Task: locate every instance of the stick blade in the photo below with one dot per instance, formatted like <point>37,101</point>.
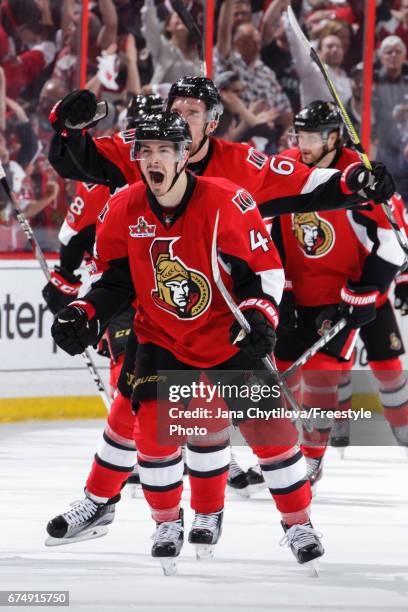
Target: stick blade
<point>298,30</point>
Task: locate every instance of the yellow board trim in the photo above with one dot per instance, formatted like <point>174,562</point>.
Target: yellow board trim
<point>51,408</point>
<point>91,407</point>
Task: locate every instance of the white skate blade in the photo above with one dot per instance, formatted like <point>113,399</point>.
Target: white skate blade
<point>135,491</point>
<point>342,452</point>
<point>241,493</point>
<point>90,534</point>
<point>313,567</point>
<point>169,565</point>
<point>255,488</point>
<point>204,552</point>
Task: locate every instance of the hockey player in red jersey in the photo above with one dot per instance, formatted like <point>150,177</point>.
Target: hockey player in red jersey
<point>335,260</point>
<point>154,241</point>
<point>109,161</point>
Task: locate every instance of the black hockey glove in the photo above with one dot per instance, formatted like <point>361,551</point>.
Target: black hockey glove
<point>77,107</point>
<point>401,293</point>
<point>377,185</point>
<point>75,327</point>
<point>61,289</point>
<point>263,319</point>
<point>358,306</point>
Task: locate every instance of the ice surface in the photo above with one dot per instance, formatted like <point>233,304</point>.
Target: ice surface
<point>361,508</point>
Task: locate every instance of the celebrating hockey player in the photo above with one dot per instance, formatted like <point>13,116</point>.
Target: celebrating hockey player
<point>154,241</point>
<point>339,263</point>
<point>110,161</point>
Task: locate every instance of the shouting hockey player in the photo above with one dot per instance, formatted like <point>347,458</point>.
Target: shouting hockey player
<point>339,263</point>
<point>154,241</point>
<point>302,192</point>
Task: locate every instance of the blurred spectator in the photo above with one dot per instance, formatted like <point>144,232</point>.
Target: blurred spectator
<point>254,123</point>
<point>351,42</point>
<point>391,90</point>
<point>240,52</point>
<point>22,22</point>
<point>173,51</point>
<point>396,24</point>
<point>242,13</point>
<point>331,52</point>
<point>276,54</point>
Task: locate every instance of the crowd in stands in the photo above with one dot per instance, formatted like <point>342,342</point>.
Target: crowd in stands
<point>137,46</point>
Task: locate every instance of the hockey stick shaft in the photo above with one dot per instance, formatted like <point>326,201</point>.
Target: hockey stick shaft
<point>239,316</point>
<point>399,233</point>
<point>319,344</point>
<point>26,227</point>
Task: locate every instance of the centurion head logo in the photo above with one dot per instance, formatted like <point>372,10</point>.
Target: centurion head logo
<point>182,291</point>
<point>315,235</point>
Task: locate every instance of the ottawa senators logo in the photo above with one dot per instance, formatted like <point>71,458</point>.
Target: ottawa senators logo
<point>315,235</point>
<point>395,342</point>
<point>182,291</point>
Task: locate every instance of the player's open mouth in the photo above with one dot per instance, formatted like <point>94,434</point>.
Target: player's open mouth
<point>156,177</point>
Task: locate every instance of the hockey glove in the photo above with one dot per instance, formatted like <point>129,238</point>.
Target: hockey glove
<point>76,327</point>
<point>61,289</point>
<point>77,107</point>
<point>358,306</point>
<point>377,185</point>
<point>401,293</point>
<point>263,318</point>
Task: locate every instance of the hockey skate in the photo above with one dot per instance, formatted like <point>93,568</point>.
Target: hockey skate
<point>168,542</point>
<point>238,479</point>
<point>340,435</point>
<point>314,471</point>
<point>205,533</point>
<point>86,520</point>
<point>256,479</point>
<point>305,544</point>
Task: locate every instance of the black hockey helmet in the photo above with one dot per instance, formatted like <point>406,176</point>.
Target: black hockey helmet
<point>141,105</point>
<point>199,88</point>
<point>319,116</point>
<point>167,125</point>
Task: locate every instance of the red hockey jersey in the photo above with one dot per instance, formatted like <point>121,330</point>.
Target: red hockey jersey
<point>267,178</point>
<point>84,210</point>
<point>321,250</point>
<point>179,307</point>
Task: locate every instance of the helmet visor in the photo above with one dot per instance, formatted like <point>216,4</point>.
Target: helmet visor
<point>305,139</point>
<point>162,150</point>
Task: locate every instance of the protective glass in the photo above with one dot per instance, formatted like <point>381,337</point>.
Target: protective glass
<point>306,139</point>
<point>151,150</point>
<point>192,111</point>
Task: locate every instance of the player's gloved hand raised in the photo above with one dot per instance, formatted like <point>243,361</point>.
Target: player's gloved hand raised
<point>376,184</point>
<point>401,293</point>
<point>263,320</point>
<point>77,107</point>
<point>76,327</point>
<point>358,306</point>
<point>61,289</point>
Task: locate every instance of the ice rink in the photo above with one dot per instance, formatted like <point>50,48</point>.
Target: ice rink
<point>361,508</point>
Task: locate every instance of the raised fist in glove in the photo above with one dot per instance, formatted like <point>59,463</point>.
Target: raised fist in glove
<point>376,184</point>
<point>401,293</point>
<point>61,289</point>
<point>76,327</point>
<point>262,317</point>
<point>77,107</point>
